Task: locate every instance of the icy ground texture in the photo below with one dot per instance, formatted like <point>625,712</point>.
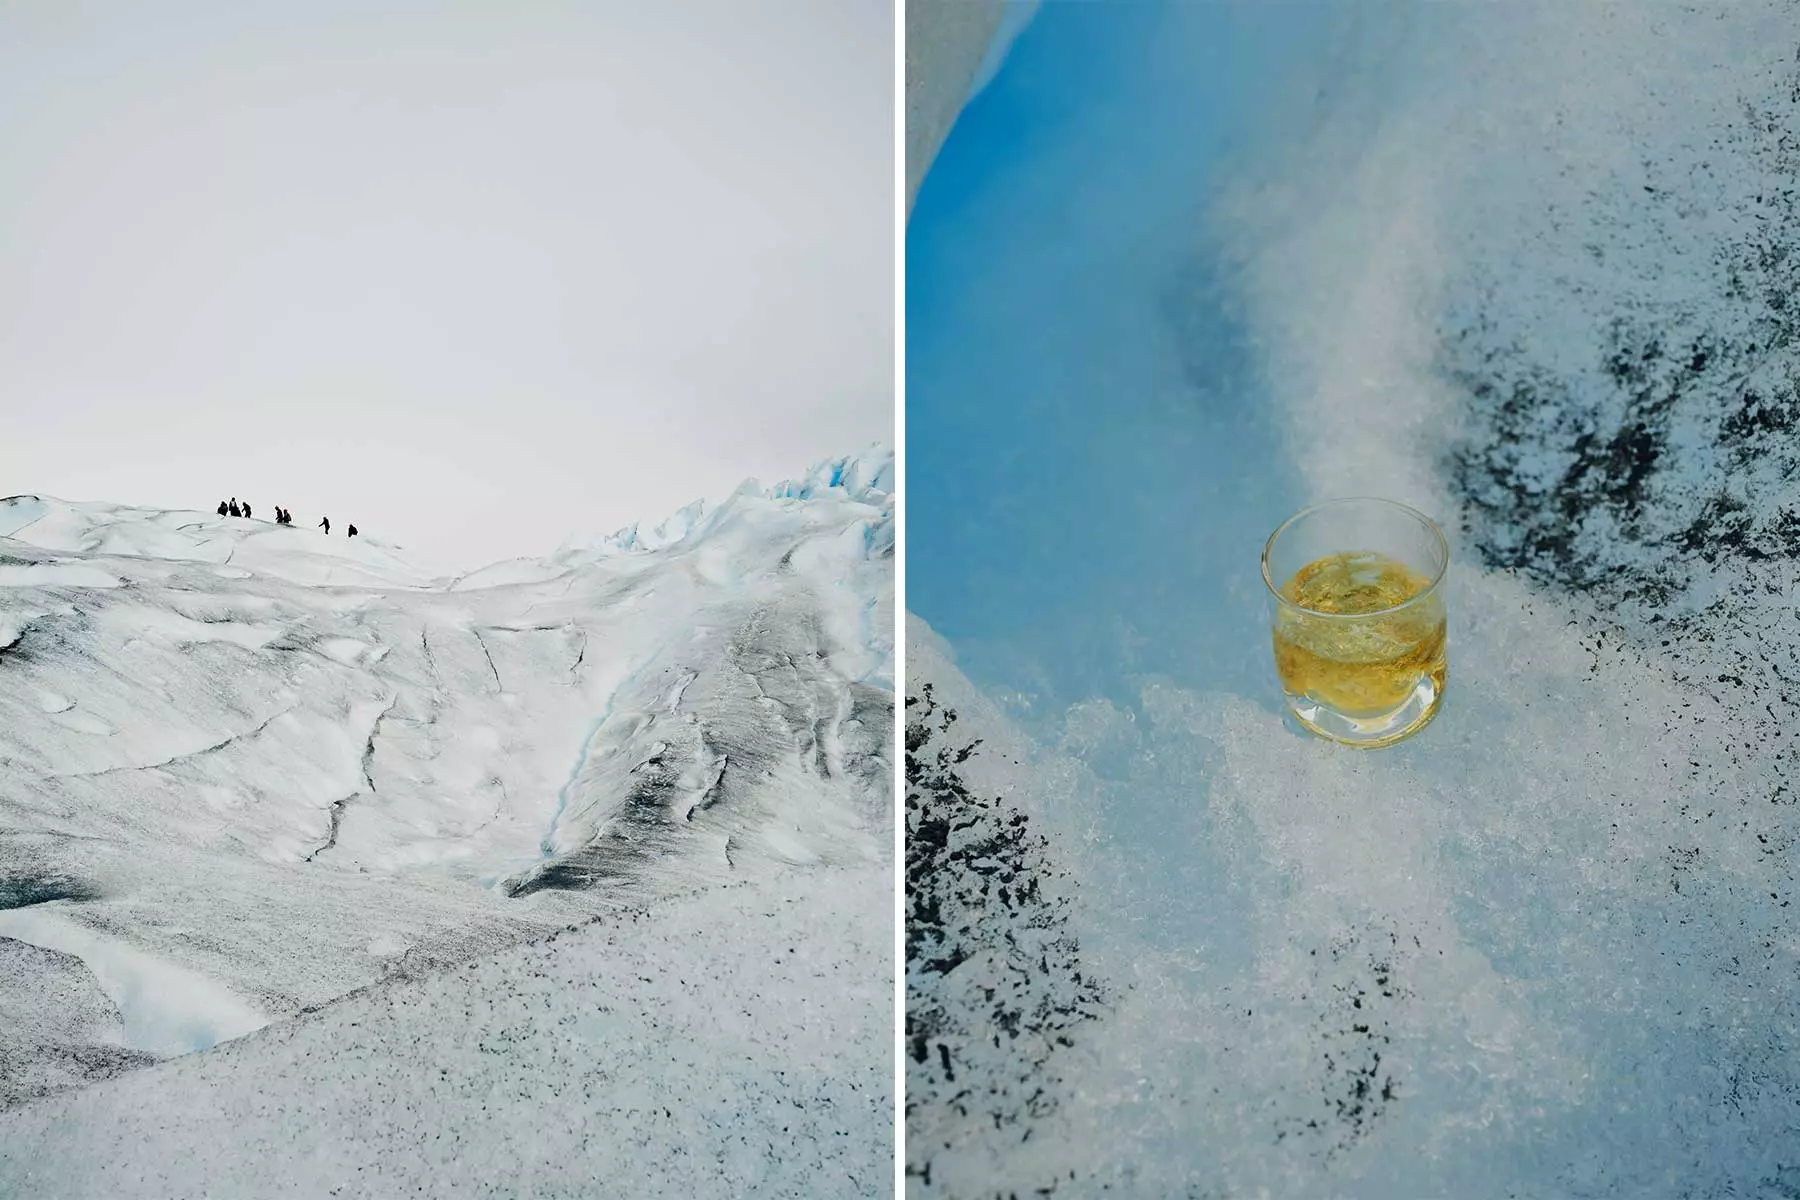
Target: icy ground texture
<point>756,1060</point>
<point>1529,266</point>
<point>245,769</point>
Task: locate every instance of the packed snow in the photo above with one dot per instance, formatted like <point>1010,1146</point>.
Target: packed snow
<point>247,769</point>
<point>1183,269</point>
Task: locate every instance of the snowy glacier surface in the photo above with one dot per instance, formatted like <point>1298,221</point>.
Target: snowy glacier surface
<point>732,1042</point>
<point>1182,269</point>
<point>246,770</point>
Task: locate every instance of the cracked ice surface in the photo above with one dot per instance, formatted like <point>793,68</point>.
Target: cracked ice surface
<point>237,793</point>
<point>1530,267</point>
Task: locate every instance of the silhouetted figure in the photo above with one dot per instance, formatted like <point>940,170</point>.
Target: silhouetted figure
<point>327,524</point>
<point>233,508</point>
<point>246,508</point>
<point>350,532</point>
<point>222,509</point>
<point>282,516</point>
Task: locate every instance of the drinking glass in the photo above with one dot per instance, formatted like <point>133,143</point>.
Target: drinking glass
<point>1357,616</point>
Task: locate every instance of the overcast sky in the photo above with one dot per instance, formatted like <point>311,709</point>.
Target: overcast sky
<point>470,275</point>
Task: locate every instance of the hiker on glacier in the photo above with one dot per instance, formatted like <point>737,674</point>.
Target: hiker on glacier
<point>222,509</point>
<point>246,508</point>
<point>351,532</point>
<point>233,508</point>
<point>327,524</point>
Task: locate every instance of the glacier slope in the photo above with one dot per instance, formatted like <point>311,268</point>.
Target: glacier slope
<point>245,769</point>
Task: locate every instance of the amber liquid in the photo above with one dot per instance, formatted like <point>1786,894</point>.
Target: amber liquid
<point>1361,668</point>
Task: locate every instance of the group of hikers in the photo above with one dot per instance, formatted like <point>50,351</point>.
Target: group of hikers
<point>233,508</point>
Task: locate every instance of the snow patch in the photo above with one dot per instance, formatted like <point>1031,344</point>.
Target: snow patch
<point>56,575</point>
<point>157,624</point>
<point>16,512</point>
<point>166,1009</point>
<point>348,651</point>
<point>81,722</point>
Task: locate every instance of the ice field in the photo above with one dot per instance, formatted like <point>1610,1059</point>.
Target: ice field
<point>248,770</point>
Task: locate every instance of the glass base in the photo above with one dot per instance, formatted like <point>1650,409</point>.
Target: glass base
<point>1370,732</point>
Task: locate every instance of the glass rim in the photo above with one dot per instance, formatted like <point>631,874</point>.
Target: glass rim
<point>1428,590</point>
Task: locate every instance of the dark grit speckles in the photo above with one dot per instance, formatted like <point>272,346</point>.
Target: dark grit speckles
<point>1356,985</point>
<point>1675,452</point>
<point>995,985</point>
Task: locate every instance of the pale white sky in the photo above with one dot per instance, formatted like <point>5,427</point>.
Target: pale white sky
<point>470,275</point>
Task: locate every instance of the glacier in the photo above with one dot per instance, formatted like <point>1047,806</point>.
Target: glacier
<point>1177,272</point>
<point>247,771</point>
